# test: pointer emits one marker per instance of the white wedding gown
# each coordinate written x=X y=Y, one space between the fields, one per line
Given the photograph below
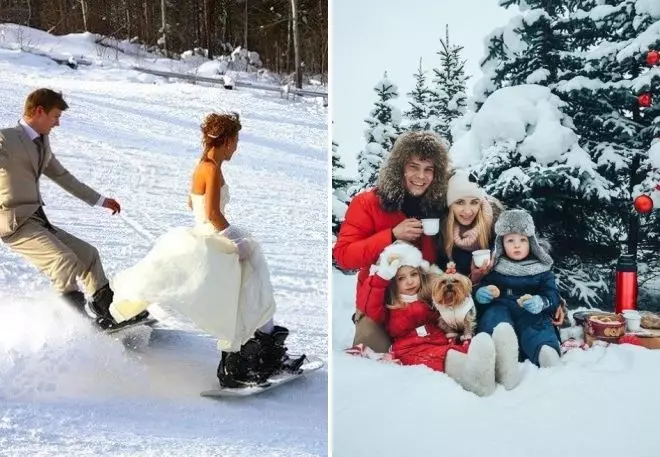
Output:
x=196 y=272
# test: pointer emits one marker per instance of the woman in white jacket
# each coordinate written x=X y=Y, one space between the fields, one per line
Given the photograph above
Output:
x=232 y=297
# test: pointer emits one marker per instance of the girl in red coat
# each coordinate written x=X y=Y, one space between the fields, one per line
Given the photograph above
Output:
x=396 y=295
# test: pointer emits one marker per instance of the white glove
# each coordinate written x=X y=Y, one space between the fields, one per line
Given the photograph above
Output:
x=244 y=249
x=242 y=243
x=233 y=233
x=388 y=270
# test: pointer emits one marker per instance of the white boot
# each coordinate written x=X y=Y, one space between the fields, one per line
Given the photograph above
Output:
x=548 y=357
x=507 y=368
x=475 y=372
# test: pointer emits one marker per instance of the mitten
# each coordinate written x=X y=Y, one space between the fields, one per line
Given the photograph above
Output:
x=484 y=295
x=388 y=270
x=534 y=305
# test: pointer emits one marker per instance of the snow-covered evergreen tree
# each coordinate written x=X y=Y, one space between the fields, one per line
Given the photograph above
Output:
x=382 y=129
x=602 y=99
x=417 y=116
x=340 y=185
x=447 y=100
x=530 y=49
x=590 y=55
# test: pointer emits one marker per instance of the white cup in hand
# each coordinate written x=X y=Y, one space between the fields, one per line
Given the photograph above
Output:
x=481 y=257
x=430 y=226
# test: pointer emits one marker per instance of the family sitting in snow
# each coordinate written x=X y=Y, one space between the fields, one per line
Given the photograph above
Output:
x=410 y=309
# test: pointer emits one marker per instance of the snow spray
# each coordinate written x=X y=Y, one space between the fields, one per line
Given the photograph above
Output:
x=626 y=283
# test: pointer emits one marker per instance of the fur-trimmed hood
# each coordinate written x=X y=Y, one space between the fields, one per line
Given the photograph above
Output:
x=520 y=221
x=427 y=146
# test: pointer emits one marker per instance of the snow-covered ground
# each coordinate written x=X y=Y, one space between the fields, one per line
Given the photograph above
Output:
x=68 y=390
x=600 y=402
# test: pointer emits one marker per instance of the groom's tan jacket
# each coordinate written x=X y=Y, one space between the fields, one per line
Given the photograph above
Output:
x=20 y=169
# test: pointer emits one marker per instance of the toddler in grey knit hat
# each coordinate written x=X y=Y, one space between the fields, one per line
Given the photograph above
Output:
x=521 y=289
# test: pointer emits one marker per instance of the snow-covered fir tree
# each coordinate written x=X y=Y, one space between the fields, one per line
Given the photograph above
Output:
x=590 y=55
x=447 y=100
x=383 y=126
x=417 y=116
x=530 y=49
x=602 y=97
x=340 y=185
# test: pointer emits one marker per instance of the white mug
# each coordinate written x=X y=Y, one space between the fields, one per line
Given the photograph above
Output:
x=633 y=320
x=430 y=226
x=481 y=257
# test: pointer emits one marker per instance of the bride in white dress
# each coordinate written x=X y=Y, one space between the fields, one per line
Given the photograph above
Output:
x=214 y=274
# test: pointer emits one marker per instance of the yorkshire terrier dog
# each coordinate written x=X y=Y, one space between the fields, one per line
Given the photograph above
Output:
x=451 y=293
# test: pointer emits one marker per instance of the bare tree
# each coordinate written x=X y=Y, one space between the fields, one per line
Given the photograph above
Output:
x=84 y=11
x=245 y=22
x=163 y=17
x=208 y=21
x=296 y=44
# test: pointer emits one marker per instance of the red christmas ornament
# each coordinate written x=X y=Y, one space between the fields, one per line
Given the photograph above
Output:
x=643 y=204
x=652 y=58
x=644 y=99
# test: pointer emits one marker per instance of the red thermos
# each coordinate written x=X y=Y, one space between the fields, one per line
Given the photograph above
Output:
x=625 y=296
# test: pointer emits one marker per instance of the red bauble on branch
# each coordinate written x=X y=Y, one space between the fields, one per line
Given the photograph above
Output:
x=643 y=204
x=645 y=99
x=652 y=58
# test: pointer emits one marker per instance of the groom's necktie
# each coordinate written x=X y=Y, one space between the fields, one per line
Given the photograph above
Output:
x=39 y=143
x=40 y=215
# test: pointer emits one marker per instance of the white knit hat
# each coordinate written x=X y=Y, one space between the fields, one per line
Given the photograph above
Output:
x=407 y=255
x=459 y=186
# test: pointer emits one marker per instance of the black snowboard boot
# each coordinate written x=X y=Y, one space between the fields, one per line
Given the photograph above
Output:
x=76 y=299
x=273 y=357
x=238 y=369
x=100 y=306
x=260 y=357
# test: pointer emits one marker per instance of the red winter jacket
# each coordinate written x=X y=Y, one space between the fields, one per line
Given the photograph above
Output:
x=416 y=337
x=366 y=231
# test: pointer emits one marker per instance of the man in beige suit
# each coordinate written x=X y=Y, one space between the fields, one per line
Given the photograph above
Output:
x=25 y=155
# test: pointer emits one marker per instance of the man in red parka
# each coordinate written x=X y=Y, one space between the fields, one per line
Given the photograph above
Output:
x=411 y=186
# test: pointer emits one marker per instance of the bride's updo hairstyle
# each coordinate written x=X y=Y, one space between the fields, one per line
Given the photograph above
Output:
x=217 y=129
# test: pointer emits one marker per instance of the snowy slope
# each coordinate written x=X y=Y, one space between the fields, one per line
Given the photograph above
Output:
x=67 y=390
x=601 y=402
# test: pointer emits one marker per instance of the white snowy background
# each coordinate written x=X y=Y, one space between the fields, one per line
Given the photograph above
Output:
x=68 y=390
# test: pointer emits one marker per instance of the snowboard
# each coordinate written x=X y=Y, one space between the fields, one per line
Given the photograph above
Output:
x=311 y=364
x=135 y=336
x=148 y=322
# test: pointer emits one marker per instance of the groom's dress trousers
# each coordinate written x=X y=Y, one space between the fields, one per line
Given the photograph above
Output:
x=24 y=157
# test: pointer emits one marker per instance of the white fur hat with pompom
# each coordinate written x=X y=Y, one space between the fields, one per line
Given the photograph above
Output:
x=407 y=255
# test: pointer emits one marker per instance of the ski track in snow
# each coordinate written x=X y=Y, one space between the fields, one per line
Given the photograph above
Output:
x=68 y=390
